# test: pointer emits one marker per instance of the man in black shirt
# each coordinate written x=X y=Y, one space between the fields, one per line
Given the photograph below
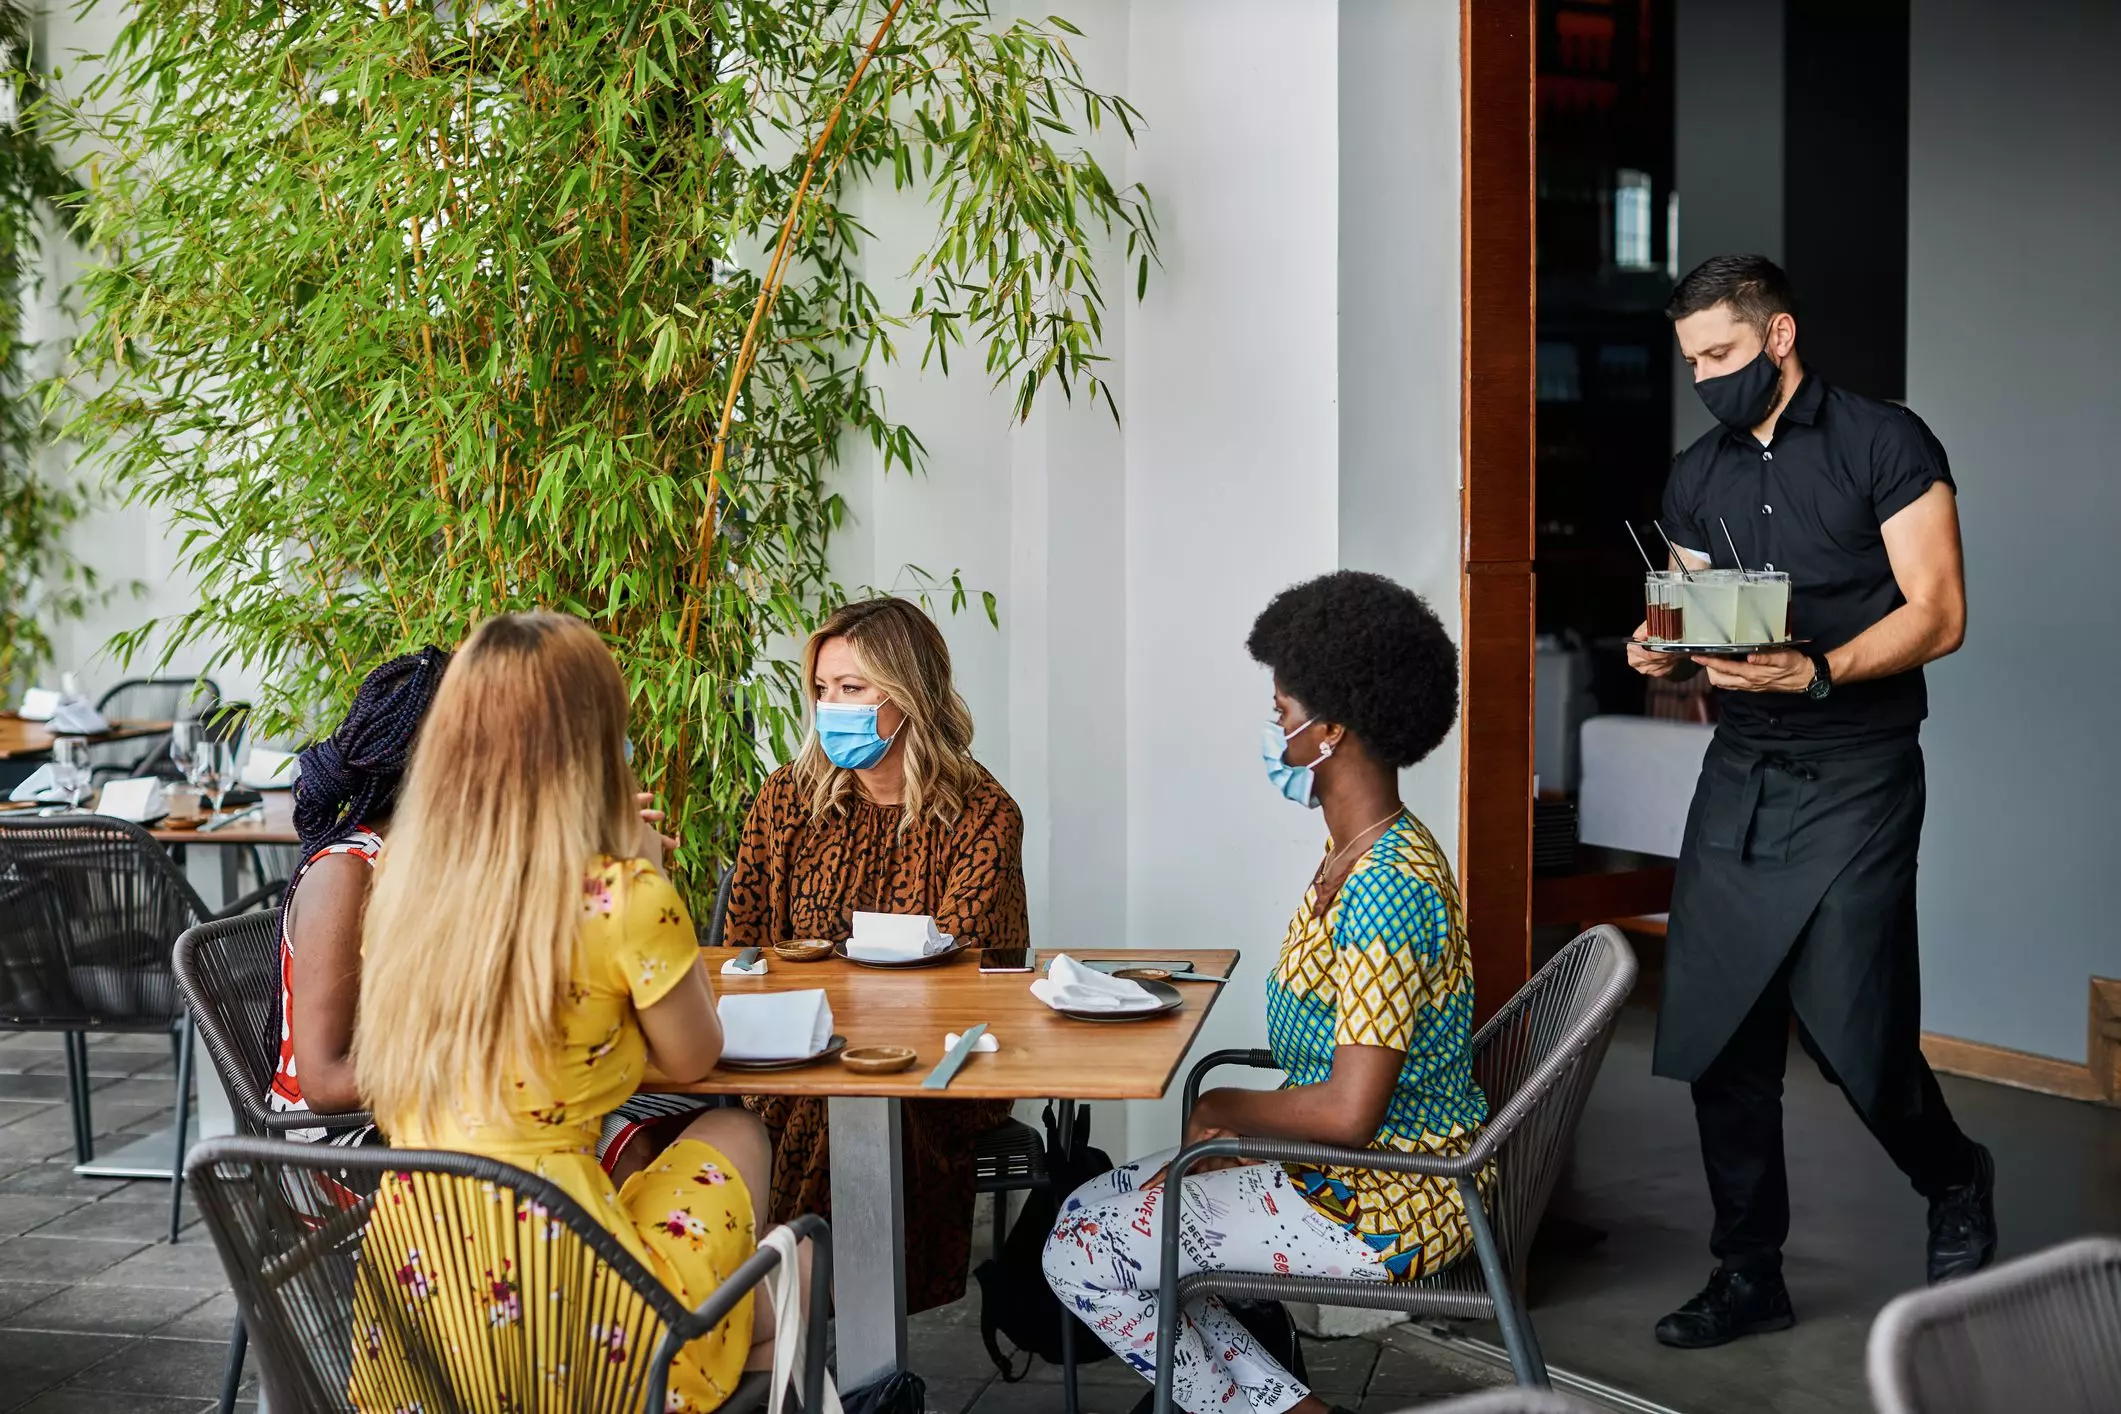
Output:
x=1796 y=883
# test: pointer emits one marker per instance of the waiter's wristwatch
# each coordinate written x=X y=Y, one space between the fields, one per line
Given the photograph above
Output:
x=1822 y=681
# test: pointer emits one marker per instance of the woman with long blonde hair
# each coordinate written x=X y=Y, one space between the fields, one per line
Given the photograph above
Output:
x=526 y=959
x=884 y=810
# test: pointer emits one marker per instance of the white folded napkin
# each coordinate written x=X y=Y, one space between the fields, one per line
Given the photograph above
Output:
x=76 y=717
x=1070 y=986
x=731 y=968
x=38 y=704
x=770 y=1026
x=139 y=800
x=985 y=1045
x=895 y=937
x=268 y=769
x=34 y=785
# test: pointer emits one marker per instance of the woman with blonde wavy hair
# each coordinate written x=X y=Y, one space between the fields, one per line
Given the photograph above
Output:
x=884 y=810
x=524 y=960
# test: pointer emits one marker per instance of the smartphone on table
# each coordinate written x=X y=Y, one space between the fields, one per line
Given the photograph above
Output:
x=1023 y=959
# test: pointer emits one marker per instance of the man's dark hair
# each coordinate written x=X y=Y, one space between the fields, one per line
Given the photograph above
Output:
x=1359 y=650
x=1753 y=285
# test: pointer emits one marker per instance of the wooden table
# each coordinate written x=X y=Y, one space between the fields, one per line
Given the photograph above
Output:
x=275 y=826
x=1604 y=886
x=20 y=737
x=1043 y=1055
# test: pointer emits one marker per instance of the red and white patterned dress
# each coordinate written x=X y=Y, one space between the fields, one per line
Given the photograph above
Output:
x=285 y=1093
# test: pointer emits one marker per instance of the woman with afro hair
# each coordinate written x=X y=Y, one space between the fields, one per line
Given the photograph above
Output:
x=1369 y=1011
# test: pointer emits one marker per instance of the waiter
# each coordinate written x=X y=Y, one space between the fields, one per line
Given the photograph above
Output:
x=1796 y=883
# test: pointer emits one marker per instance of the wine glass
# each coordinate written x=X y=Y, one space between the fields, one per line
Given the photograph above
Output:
x=230 y=758
x=70 y=768
x=205 y=774
x=185 y=738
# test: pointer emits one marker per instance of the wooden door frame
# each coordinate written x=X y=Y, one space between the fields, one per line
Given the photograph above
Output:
x=1498 y=79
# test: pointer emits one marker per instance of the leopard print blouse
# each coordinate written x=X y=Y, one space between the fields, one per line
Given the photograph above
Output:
x=802 y=878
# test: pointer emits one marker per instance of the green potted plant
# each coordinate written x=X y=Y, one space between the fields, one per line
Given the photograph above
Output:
x=405 y=315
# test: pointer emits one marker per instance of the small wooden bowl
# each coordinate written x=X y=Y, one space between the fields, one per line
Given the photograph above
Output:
x=182 y=822
x=803 y=950
x=1143 y=974
x=877 y=1060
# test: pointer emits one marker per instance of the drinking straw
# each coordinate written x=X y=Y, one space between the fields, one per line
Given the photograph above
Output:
x=1684 y=572
x=1734 y=547
x=1638 y=547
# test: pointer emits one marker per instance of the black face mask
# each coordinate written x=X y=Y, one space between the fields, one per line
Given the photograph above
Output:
x=1741 y=400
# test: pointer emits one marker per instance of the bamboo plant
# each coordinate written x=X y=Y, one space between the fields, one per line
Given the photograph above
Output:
x=410 y=314
x=42 y=583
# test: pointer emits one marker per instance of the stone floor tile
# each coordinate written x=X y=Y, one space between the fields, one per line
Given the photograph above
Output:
x=14 y=1295
x=212 y=1319
x=59 y=1259
x=16 y=1086
x=1339 y=1367
x=58 y=1177
x=192 y=1263
x=953 y=1396
x=154 y=1365
x=95 y=1401
x=111 y=1310
x=33 y=1361
x=136 y=1223
x=25 y=1212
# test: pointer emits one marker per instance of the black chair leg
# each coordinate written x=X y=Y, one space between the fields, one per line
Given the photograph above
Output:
x=1517 y=1337
x=176 y=1165
x=77 y=1096
x=1071 y=1400
x=232 y=1377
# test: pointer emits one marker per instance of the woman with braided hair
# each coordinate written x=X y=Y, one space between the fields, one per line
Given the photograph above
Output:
x=343 y=799
x=344 y=795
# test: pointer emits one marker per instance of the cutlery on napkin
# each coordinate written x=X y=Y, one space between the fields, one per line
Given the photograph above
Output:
x=895 y=937
x=962 y=1047
x=1070 y=986
x=771 y=1026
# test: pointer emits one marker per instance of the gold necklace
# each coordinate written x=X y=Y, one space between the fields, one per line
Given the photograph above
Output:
x=1325 y=871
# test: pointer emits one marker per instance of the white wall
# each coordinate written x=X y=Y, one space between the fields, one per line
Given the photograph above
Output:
x=2012 y=306
x=1290 y=392
x=1727 y=150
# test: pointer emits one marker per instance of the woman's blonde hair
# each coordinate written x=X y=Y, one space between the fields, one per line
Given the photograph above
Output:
x=900 y=650
x=518 y=784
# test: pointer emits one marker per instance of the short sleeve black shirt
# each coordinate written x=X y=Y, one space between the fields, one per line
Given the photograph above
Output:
x=1812 y=503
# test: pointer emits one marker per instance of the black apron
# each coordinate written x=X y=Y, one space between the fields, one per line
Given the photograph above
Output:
x=1802 y=842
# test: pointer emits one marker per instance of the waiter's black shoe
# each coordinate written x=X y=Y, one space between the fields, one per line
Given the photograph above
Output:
x=1963 y=1224
x=1733 y=1304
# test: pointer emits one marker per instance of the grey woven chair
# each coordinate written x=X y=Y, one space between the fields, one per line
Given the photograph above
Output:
x=228 y=973
x=1535 y=1059
x=149 y=700
x=94 y=905
x=2042 y=1333
x=1506 y=1401
x=300 y=1284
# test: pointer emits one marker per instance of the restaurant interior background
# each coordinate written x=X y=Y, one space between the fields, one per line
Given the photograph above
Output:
x=1940 y=178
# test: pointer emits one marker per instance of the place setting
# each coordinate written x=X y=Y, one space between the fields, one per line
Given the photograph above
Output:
x=1081 y=992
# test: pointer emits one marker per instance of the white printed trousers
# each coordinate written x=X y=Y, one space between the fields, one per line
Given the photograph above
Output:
x=1105 y=1254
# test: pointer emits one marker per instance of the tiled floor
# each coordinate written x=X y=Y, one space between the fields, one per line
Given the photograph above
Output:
x=99 y=1313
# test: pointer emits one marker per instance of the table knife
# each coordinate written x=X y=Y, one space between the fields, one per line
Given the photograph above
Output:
x=946 y=1068
x=244 y=813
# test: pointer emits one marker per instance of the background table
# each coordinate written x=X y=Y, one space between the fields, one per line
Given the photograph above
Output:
x=275 y=826
x=1043 y=1055
x=21 y=737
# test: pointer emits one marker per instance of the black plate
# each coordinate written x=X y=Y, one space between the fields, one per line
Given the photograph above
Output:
x=1721 y=650
x=833 y=1047
x=839 y=950
x=1166 y=995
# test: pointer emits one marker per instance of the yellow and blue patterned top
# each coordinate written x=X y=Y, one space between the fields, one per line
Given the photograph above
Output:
x=1388 y=966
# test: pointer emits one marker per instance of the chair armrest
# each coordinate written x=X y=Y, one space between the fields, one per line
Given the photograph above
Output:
x=1302 y=1151
x=1256 y=1059
x=279 y=1121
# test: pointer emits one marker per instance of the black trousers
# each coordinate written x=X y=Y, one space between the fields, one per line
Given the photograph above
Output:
x=1738 y=1108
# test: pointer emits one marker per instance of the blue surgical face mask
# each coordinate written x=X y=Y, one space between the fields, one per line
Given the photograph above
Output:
x=847 y=732
x=1295 y=782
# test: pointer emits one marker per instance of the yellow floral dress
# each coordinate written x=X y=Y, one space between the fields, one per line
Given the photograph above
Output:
x=687 y=1217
